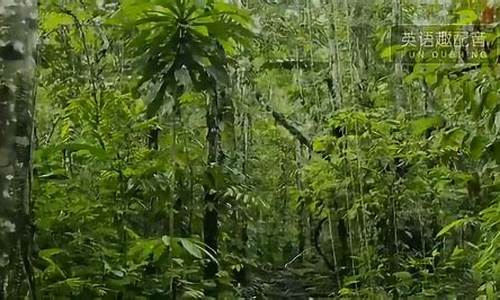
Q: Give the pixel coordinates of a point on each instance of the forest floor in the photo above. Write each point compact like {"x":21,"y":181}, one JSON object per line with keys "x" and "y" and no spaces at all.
{"x":289,"y":283}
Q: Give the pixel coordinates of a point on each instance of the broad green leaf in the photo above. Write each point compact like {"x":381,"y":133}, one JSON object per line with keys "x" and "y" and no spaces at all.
{"x":449,"y":227}
{"x":47,"y":253}
{"x":403,"y":275}
{"x":467,"y":17}
{"x":190,"y":247}
{"x":431,"y":79}
{"x":130,"y":11}
{"x":95,"y":151}
{"x":54,"y":20}
{"x":454,"y":138}
{"x":202,"y":30}
{"x":166,"y":240}
{"x":478,"y":146}
{"x":258,"y":62}
{"x":422,"y":125}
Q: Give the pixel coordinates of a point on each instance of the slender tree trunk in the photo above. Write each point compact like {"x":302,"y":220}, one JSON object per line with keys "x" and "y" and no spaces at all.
{"x":176,"y":212}
{"x":399,"y":93}
{"x":243,"y":275}
{"x":301,"y":213}
{"x":17,"y":71}
{"x":179,"y":222}
{"x":181,"y":191}
{"x":211,"y":218}
{"x":335,"y":61}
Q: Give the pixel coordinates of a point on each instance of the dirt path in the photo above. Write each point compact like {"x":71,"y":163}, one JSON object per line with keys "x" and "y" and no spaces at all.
{"x":294,"y":284}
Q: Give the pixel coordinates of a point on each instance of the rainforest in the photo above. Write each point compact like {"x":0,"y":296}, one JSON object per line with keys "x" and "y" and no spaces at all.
{"x":249,"y":149}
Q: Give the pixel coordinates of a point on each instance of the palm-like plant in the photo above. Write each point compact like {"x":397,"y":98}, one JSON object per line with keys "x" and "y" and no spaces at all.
{"x":186,"y":43}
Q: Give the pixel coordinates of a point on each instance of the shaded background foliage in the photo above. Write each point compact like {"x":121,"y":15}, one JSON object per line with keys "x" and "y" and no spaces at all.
{"x":327,"y":167}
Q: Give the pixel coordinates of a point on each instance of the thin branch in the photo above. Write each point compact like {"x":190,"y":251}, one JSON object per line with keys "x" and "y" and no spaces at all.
{"x":282,"y":120}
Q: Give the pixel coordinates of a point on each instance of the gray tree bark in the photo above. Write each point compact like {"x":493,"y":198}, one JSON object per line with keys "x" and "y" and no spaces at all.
{"x":17,"y":78}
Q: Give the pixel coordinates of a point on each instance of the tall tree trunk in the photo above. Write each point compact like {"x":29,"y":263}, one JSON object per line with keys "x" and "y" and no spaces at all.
{"x":17,"y":71}
{"x":181,"y":190}
{"x":242,"y":276}
{"x":301,"y":213}
{"x":335,"y":61}
{"x":211,"y":218}
{"x":399,"y":92}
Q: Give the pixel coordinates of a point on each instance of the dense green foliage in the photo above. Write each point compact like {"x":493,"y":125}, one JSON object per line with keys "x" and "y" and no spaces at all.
{"x":195,"y":148}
